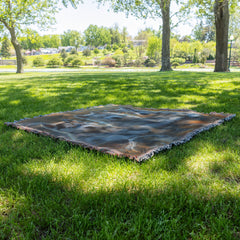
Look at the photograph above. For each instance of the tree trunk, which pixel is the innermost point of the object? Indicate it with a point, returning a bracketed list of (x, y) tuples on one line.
[(165, 8), (17, 48), (221, 12)]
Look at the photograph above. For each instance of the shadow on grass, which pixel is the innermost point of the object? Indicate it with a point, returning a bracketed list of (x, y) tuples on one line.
[(110, 198), (43, 206)]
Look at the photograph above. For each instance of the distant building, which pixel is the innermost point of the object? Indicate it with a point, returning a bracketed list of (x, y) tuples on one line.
[(48, 50)]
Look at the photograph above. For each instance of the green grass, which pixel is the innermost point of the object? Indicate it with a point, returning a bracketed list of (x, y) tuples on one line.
[(52, 190)]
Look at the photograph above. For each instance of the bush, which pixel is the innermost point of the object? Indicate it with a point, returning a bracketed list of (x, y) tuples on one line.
[(96, 50), (86, 52), (150, 62), (138, 62), (63, 54), (74, 51), (97, 62), (105, 52), (54, 62), (24, 60), (175, 64), (38, 62), (109, 48), (109, 61), (178, 60), (68, 60), (115, 46), (76, 62), (125, 50), (119, 60)]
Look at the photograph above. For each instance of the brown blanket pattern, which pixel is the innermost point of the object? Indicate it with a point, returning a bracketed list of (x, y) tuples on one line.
[(126, 131)]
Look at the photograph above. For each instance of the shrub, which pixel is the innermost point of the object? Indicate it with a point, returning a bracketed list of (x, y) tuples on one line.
[(24, 60), (109, 48), (96, 50), (118, 52), (74, 51), (63, 54), (97, 62), (175, 64), (178, 60), (76, 62), (86, 52), (119, 60), (125, 50), (150, 62), (54, 62), (109, 61), (115, 46), (38, 62), (105, 52), (138, 62), (68, 60)]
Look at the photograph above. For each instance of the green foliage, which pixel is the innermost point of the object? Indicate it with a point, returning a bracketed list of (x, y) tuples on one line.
[(175, 64), (115, 47), (38, 62), (150, 62), (68, 60), (105, 51), (54, 62), (86, 52), (109, 62), (77, 62), (5, 49), (51, 41), (31, 40), (138, 62), (178, 60), (154, 48), (96, 50), (71, 38), (97, 36), (109, 47), (17, 14), (115, 35), (74, 51), (119, 60), (125, 50), (73, 61), (63, 54), (24, 60)]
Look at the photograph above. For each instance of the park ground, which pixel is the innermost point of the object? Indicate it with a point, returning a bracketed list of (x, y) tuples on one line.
[(52, 190)]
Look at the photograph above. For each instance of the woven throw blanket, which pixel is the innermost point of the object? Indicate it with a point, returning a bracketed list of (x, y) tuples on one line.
[(125, 131)]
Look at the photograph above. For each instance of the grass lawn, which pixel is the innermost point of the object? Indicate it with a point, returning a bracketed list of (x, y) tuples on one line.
[(53, 190)]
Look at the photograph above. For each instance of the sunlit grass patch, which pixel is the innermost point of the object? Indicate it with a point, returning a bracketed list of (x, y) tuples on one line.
[(53, 190)]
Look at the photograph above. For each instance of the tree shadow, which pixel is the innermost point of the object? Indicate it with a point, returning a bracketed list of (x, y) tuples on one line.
[(162, 198)]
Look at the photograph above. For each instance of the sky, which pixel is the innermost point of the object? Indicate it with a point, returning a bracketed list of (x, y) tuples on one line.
[(88, 13)]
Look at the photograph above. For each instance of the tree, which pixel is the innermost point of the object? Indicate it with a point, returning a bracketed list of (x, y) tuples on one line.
[(115, 35), (97, 36), (154, 48), (15, 15), (31, 41), (234, 25), (51, 41), (124, 35), (72, 38), (205, 32), (144, 9), (221, 10), (5, 49)]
